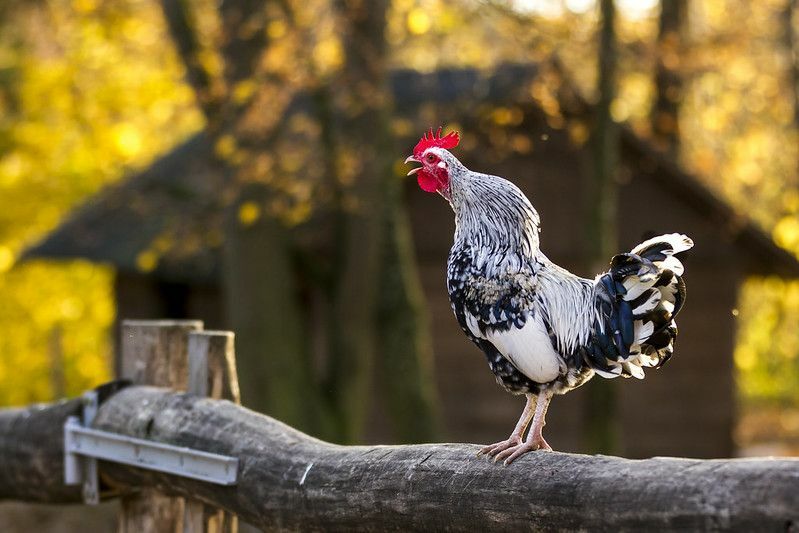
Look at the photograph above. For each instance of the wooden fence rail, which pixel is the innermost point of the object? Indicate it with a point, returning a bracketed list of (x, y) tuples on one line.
[(290, 481)]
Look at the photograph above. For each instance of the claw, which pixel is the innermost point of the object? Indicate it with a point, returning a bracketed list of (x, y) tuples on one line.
[(511, 454), (493, 449)]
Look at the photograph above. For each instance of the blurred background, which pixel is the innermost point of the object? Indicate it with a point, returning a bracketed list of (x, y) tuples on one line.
[(240, 162)]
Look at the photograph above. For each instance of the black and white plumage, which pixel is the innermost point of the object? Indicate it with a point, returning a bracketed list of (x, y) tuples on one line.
[(544, 330)]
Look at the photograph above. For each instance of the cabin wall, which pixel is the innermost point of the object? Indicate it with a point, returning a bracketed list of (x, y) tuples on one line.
[(688, 406)]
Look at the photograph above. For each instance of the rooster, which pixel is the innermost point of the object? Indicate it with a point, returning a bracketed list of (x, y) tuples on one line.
[(544, 330)]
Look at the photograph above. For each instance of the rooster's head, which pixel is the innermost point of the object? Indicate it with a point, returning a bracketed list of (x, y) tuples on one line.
[(431, 152)]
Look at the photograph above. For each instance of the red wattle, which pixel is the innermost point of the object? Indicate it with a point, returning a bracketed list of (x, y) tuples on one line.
[(427, 182)]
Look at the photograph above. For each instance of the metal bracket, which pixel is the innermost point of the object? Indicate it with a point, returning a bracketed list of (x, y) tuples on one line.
[(83, 446)]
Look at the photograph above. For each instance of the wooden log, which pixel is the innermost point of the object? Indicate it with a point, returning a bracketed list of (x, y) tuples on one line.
[(290, 481), (31, 471), (212, 373), (154, 352)]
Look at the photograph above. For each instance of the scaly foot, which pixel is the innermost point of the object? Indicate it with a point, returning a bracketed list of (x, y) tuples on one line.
[(510, 454), (493, 449)]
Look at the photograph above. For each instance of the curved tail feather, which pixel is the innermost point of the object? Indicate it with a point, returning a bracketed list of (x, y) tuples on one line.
[(635, 304)]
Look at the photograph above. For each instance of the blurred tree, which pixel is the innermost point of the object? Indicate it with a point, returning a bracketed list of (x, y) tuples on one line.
[(380, 248), (601, 227), (269, 275), (739, 133), (225, 69), (668, 78), (361, 138), (789, 31), (259, 274)]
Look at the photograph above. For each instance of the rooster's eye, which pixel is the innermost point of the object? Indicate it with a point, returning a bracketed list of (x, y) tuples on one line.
[(431, 158)]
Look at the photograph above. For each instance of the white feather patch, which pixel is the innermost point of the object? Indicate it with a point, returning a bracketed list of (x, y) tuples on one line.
[(635, 287), (529, 349), (609, 375), (649, 304), (634, 370), (677, 241), (642, 331), (648, 360), (471, 323), (673, 264)]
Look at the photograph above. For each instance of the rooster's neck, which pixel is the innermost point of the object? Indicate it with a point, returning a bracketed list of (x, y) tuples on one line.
[(491, 213)]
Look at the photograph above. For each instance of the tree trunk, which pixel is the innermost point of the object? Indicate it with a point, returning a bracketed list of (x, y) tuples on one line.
[(182, 27), (405, 352), (668, 79), (601, 431), (376, 231), (362, 137), (55, 351), (288, 481), (789, 38), (261, 298), (258, 275)]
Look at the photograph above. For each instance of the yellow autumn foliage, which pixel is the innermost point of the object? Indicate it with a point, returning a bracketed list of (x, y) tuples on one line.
[(93, 91)]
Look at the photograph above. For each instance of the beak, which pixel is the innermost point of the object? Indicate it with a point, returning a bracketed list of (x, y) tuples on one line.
[(412, 159)]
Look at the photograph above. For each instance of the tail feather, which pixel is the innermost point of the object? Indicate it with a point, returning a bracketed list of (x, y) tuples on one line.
[(663, 245), (636, 302)]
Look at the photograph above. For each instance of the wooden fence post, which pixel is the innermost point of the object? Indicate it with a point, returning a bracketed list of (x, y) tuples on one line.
[(212, 372), (154, 352)]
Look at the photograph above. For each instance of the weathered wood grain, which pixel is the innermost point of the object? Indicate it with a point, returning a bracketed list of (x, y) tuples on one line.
[(212, 373), (289, 481), (154, 352), (217, 377)]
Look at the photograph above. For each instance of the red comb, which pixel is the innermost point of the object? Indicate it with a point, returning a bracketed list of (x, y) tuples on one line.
[(450, 140)]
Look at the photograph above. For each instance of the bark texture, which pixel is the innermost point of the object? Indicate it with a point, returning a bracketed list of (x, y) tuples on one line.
[(289, 481)]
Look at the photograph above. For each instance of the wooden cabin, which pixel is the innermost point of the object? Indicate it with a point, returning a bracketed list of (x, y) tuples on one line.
[(525, 123)]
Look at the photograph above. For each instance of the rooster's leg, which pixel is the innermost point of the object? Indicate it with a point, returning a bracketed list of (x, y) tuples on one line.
[(535, 439), (515, 438)]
